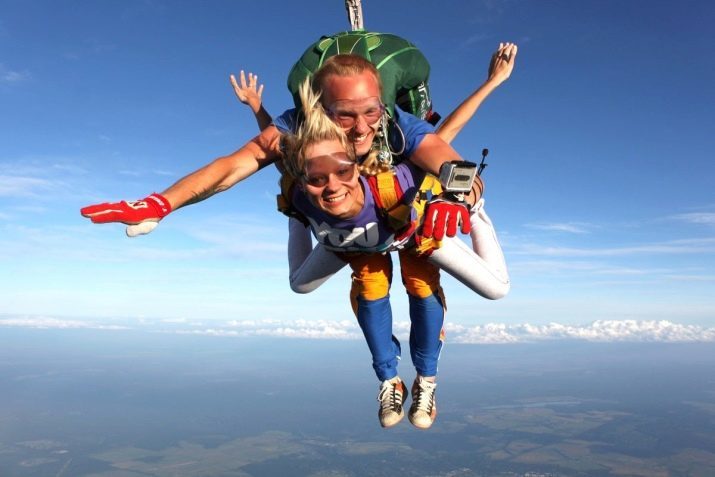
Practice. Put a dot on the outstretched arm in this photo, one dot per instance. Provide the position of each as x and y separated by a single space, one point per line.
250 94
500 68
142 216
226 171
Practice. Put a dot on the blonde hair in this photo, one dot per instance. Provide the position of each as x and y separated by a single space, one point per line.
371 166
316 127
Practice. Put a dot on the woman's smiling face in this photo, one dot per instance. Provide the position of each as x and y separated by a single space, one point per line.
331 180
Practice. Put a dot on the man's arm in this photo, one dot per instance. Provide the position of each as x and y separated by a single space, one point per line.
250 94
500 68
432 152
226 171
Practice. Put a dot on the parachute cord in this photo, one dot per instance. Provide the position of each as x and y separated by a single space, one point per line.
354 9
385 151
384 154
402 136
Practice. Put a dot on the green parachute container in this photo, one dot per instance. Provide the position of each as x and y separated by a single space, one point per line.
404 70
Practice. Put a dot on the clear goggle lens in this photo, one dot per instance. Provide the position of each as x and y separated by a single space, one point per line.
319 169
346 112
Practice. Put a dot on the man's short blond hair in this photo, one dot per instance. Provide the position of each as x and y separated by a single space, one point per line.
343 65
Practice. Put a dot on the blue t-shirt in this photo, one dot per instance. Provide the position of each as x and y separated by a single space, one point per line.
413 128
367 231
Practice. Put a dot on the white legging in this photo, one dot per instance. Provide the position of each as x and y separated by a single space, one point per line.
481 268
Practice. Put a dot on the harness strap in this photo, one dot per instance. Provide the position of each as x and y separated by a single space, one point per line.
388 196
284 200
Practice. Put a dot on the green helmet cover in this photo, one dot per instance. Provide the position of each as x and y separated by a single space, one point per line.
404 71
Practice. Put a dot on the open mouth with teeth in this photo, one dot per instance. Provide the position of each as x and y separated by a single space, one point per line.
335 199
361 138
362 142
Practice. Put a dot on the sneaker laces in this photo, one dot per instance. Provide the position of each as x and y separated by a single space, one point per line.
390 396
424 397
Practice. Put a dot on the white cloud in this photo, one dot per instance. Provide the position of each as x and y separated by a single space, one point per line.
12 76
700 218
685 246
43 322
662 331
476 38
595 268
320 329
569 227
692 277
64 167
132 173
221 232
161 172
600 331
22 186
37 177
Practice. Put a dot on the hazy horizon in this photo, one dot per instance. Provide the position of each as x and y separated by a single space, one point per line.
129 403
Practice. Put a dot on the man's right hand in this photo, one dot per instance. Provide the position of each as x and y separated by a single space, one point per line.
141 216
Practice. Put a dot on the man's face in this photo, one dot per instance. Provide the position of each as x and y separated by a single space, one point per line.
356 96
331 180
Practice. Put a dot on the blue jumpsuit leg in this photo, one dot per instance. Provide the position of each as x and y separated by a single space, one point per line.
375 319
427 319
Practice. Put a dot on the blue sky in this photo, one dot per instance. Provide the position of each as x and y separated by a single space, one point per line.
600 180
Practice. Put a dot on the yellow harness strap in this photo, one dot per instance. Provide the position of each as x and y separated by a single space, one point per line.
387 189
399 213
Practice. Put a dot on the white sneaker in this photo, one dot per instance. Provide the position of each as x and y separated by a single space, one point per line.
392 396
423 410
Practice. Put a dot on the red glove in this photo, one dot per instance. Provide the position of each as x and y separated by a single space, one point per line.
443 216
153 208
